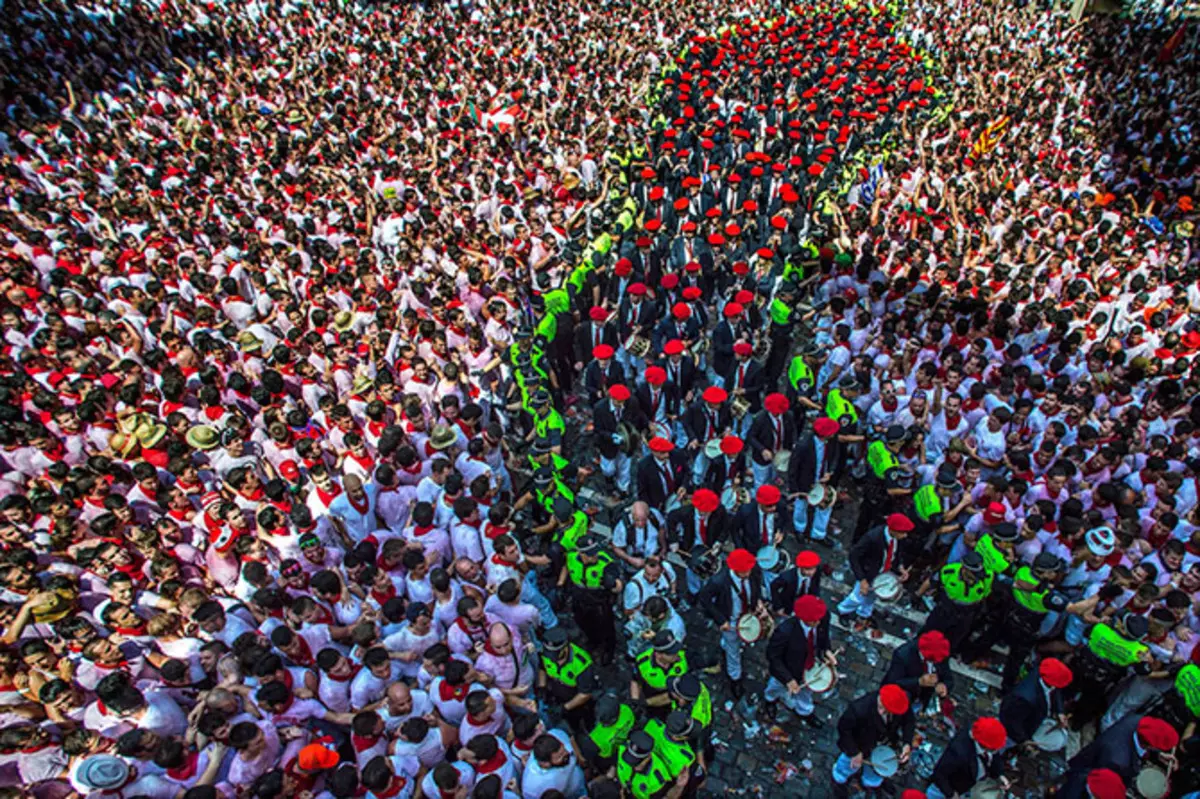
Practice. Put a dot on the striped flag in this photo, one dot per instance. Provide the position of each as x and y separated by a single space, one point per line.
875 175
990 137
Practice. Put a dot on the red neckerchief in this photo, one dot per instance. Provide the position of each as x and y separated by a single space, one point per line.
347 678
362 744
362 509
383 597
306 658
138 630
499 561
327 497
255 496
366 462
420 530
187 770
456 692
398 783
494 531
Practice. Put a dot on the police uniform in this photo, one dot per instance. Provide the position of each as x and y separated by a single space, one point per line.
883 476
614 722
964 587
594 581
662 661
642 773
569 673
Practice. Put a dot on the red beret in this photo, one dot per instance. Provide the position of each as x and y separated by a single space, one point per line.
660 444
809 609
741 268
1103 783
689 226
731 445
618 392
644 241
691 293
778 222
767 495
899 523
756 172
597 314
894 699
765 252
825 427
674 346
713 213
733 309
656 193
679 310
741 560
623 267
750 205
1158 734
807 559
989 733
602 352
648 174
715 395
1055 673
691 266
744 297
656 375
732 230
815 169
716 239
681 204
743 348
669 281
933 646
637 289
776 403
912 793
705 501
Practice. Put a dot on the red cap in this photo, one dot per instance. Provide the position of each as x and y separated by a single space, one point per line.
597 314
994 513
912 793
731 445
743 348
648 174
776 403
933 646
825 427
656 193
809 609
660 444
715 395
618 392
669 280
689 226
1055 673
989 733
705 501
1104 783
602 352
290 471
673 347
807 559
656 375
894 699
1158 734
316 757
767 495
680 310
637 289
691 293
681 204
899 523
732 229
733 309
765 252
778 222
743 297
623 267
741 560
716 239
652 225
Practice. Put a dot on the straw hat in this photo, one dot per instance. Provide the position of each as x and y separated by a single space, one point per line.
248 342
149 434
122 443
343 321
203 437
442 437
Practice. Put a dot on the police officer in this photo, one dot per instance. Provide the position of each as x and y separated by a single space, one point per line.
642 773
1114 649
672 744
691 696
614 722
884 487
547 422
568 678
784 317
801 386
665 659
964 587
595 586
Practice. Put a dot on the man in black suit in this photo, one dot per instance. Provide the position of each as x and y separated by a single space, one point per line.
603 371
973 755
771 431
635 319
922 668
1035 699
733 591
745 377
680 368
619 407
596 331
659 399
796 645
875 553
729 469
799 580
662 475
696 527
724 335
703 421
760 523
1122 748
816 459
680 324
880 718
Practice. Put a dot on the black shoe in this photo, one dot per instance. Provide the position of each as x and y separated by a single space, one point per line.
735 688
812 721
769 711
839 791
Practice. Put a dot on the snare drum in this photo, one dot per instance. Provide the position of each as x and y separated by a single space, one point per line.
884 761
712 450
749 628
886 587
987 789
1050 736
767 557
781 461
1152 783
820 678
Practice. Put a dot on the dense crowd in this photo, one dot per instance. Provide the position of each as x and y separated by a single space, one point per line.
332 331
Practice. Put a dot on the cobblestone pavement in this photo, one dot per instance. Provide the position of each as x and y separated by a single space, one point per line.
790 759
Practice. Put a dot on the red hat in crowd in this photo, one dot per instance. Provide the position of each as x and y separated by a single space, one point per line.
899 523
673 347
656 375
767 495
825 427
989 733
602 352
1157 734
705 501
894 699
1055 673
715 395
618 392
743 348
776 403
1104 783
732 445
660 444
809 609
733 309
597 314
807 559
741 561
933 646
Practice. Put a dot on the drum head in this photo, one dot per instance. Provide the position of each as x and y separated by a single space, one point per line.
886 587
782 460
767 557
885 761
987 789
816 494
749 628
1151 783
820 678
712 450
1050 737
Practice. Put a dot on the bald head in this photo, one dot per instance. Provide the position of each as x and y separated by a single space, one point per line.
499 636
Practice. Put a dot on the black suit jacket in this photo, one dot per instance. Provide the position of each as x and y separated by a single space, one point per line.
762 435
668 399
907 668
1024 707
722 347
719 472
1112 749
649 478
787 650
748 532
695 421
860 728
585 342
683 376
752 381
681 523
716 596
596 380
785 590
605 423
869 552
957 770
803 469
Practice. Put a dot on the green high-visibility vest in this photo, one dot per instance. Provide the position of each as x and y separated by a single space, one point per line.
542 425
603 243
569 539
928 502
702 709
993 559
653 675
957 588
1187 683
1112 647
556 301
643 784
557 462
780 313
560 490
569 672
800 375
547 327
579 276
625 220
607 737
881 459
840 409
586 576
676 755
1033 601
